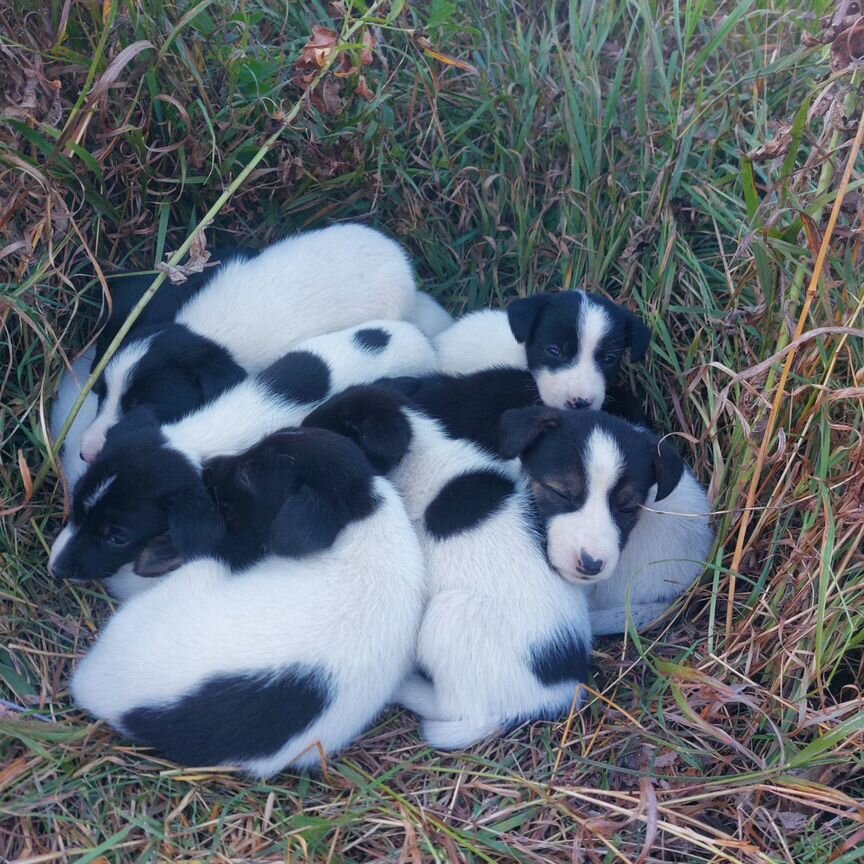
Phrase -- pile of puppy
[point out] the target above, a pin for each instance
(317, 495)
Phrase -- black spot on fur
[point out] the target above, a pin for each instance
(300, 377)
(466, 501)
(233, 717)
(372, 339)
(563, 658)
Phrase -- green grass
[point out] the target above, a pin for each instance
(600, 144)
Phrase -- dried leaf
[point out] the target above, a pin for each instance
(26, 476)
(848, 46)
(362, 89)
(428, 49)
(316, 52)
(777, 146)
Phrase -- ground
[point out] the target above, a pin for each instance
(689, 159)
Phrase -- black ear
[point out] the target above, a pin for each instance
(521, 427)
(372, 418)
(638, 336)
(306, 523)
(215, 372)
(195, 525)
(158, 557)
(522, 314)
(668, 468)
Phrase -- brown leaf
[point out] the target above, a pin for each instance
(26, 476)
(366, 55)
(327, 97)
(848, 46)
(777, 146)
(446, 59)
(316, 52)
(363, 90)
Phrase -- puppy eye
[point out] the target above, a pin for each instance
(629, 508)
(115, 536)
(561, 496)
(553, 350)
(609, 359)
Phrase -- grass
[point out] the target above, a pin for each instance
(607, 144)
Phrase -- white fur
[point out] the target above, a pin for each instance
(353, 609)
(304, 285)
(116, 376)
(590, 530)
(244, 415)
(663, 556)
(492, 597)
(430, 316)
(582, 379)
(71, 383)
(479, 340)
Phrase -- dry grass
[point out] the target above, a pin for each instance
(616, 145)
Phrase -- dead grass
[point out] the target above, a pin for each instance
(683, 157)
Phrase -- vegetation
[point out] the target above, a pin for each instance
(697, 161)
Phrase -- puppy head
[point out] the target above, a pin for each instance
(292, 494)
(139, 503)
(167, 369)
(574, 343)
(372, 417)
(590, 474)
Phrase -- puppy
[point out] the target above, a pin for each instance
(622, 516)
(572, 342)
(144, 502)
(249, 314)
(504, 639)
(296, 656)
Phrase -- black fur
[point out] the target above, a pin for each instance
(155, 492)
(372, 339)
(466, 501)
(291, 495)
(233, 717)
(299, 376)
(373, 418)
(180, 372)
(552, 447)
(126, 289)
(562, 658)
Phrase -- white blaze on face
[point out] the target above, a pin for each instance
(583, 378)
(60, 544)
(590, 533)
(117, 377)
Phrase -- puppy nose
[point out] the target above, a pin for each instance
(60, 570)
(579, 403)
(588, 565)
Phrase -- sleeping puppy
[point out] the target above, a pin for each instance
(504, 640)
(623, 517)
(144, 503)
(294, 657)
(248, 314)
(572, 342)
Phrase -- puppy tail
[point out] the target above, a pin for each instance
(458, 734)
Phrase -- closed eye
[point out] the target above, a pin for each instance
(553, 350)
(561, 496)
(609, 359)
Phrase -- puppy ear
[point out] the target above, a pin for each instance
(638, 336)
(158, 557)
(195, 526)
(668, 468)
(522, 315)
(373, 419)
(521, 427)
(306, 523)
(215, 372)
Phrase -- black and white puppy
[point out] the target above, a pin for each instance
(250, 313)
(143, 506)
(623, 516)
(294, 657)
(126, 289)
(504, 639)
(572, 342)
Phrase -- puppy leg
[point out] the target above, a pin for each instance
(614, 620)
(418, 695)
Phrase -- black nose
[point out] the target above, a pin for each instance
(590, 566)
(578, 403)
(62, 568)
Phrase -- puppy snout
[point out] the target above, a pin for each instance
(61, 569)
(578, 403)
(588, 565)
